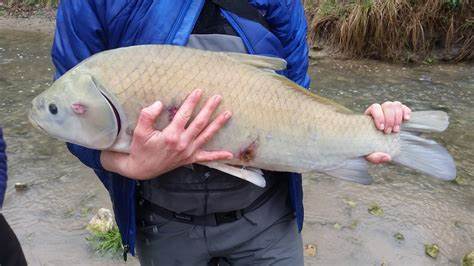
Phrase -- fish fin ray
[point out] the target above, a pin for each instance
(426, 156)
(254, 176)
(355, 170)
(270, 64)
(427, 121)
(259, 61)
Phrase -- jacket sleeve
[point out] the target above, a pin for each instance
(79, 34)
(3, 169)
(288, 22)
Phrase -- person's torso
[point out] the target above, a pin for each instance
(171, 22)
(199, 190)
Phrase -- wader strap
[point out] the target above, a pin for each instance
(243, 8)
(213, 219)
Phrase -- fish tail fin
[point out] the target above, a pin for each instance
(425, 155)
(427, 121)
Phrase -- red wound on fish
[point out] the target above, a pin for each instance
(248, 153)
(79, 108)
(172, 110)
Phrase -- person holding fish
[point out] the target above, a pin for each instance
(11, 252)
(172, 199)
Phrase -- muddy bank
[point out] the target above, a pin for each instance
(393, 30)
(40, 23)
(400, 31)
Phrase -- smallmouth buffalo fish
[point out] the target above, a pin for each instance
(276, 124)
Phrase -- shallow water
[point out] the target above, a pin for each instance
(50, 216)
(421, 208)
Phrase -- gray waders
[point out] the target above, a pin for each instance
(170, 206)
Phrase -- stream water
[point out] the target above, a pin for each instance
(49, 217)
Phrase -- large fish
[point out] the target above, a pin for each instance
(276, 124)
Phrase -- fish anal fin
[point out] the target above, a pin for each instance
(355, 170)
(251, 175)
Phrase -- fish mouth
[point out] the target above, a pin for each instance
(34, 123)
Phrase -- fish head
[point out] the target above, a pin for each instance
(75, 110)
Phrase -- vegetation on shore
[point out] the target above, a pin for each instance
(39, 3)
(391, 30)
(394, 30)
(106, 242)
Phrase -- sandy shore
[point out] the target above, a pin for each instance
(36, 23)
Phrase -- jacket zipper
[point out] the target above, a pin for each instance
(126, 249)
(178, 22)
(126, 244)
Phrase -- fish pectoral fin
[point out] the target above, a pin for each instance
(250, 175)
(355, 170)
(265, 62)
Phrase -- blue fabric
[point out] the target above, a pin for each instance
(87, 27)
(3, 168)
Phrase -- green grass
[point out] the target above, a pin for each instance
(105, 243)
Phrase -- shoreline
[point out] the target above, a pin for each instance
(41, 23)
(44, 22)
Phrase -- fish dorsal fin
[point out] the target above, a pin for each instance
(290, 84)
(271, 64)
(259, 61)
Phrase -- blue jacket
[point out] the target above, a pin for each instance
(3, 168)
(87, 27)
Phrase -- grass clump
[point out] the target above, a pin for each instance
(106, 242)
(395, 30)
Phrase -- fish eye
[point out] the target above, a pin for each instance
(53, 109)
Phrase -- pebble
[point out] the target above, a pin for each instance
(21, 186)
(425, 78)
(310, 250)
(102, 222)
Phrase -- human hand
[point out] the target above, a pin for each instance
(155, 152)
(388, 117)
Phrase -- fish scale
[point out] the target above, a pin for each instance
(235, 82)
(276, 125)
